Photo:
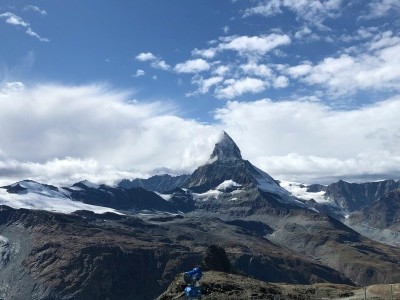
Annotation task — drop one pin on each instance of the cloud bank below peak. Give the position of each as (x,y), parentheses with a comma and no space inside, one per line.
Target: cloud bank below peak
(93,132)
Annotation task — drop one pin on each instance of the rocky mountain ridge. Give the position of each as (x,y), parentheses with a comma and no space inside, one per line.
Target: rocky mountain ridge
(268,232)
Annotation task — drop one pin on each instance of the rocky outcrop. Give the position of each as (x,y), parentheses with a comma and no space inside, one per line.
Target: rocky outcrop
(118,198)
(381,214)
(86,256)
(355,196)
(157,183)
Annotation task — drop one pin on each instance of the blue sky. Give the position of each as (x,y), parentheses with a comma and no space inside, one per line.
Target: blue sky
(293,82)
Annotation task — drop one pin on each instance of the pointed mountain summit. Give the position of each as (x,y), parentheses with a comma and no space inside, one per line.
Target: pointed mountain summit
(226,164)
(226,150)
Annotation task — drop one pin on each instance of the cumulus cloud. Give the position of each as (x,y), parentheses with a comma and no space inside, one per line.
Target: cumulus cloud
(297,140)
(242,75)
(146,56)
(139,73)
(254,44)
(245,45)
(155,62)
(192,66)
(236,87)
(13,19)
(66,133)
(63,134)
(374,68)
(252,68)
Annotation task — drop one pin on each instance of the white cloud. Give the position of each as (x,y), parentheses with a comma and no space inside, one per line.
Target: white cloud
(296,140)
(13,19)
(226,29)
(280,82)
(192,66)
(205,84)
(63,134)
(303,32)
(66,133)
(139,73)
(206,53)
(260,70)
(245,45)
(254,44)
(155,61)
(376,67)
(221,70)
(36,9)
(299,70)
(146,56)
(312,11)
(160,64)
(233,88)
(380,8)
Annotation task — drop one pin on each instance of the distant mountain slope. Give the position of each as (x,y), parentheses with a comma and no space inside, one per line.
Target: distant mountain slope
(354,196)
(158,183)
(267,232)
(384,213)
(88,256)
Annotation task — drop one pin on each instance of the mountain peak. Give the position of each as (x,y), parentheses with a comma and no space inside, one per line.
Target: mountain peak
(226,149)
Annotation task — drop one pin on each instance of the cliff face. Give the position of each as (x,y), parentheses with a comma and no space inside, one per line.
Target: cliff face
(355,196)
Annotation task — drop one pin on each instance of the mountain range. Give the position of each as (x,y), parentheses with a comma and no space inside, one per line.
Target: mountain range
(89,241)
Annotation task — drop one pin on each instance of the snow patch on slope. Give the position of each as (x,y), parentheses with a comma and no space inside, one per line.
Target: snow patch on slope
(228,187)
(300,191)
(227,184)
(166,197)
(45,200)
(40,189)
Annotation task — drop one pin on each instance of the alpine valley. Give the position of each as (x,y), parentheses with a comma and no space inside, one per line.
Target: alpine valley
(130,241)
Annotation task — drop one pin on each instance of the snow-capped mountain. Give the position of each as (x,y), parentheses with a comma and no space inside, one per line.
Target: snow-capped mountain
(33,195)
(226,163)
(281,232)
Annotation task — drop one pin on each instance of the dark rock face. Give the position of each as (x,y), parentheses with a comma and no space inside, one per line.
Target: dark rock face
(92,257)
(226,163)
(315,188)
(158,183)
(216,259)
(355,196)
(118,198)
(381,214)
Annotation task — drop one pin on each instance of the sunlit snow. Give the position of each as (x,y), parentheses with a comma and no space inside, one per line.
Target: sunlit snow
(227,184)
(41,198)
(300,191)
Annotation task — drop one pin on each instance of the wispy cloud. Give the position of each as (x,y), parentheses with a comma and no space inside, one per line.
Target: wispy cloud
(13,19)
(373,67)
(35,9)
(312,11)
(380,8)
